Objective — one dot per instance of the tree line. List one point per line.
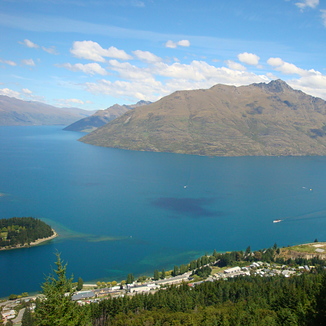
(17, 231)
(244, 300)
(240, 301)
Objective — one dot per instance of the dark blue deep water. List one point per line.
(120, 212)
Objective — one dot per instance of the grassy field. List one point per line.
(309, 247)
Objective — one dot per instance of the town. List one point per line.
(12, 309)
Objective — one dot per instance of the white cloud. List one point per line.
(89, 68)
(28, 94)
(146, 56)
(93, 51)
(128, 71)
(235, 65)
(145, 83)
(323, 16)
(249, 58)
(194, 71)
(185, 43)
(201, 71)
(275, 62)
(28, 62)
(312, 84)
(173, 45)
(51, 50)
(170, 44)
(70, 101)
(307, 3)
(8, 62)
(9, 92)
(288, 68)
(26, 91)
(310, 81)
(29, 44)
(127, 90)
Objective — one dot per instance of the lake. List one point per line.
(120, 212)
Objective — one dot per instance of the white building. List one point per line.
(233, 270)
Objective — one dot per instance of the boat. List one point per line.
(277, 221)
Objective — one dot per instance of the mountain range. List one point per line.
(101, 117)
(16, 112)
(258, 119)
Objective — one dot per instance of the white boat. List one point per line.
(277, 221)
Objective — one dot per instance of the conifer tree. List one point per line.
(156, 275)
(80, 284)
(130, 278)
(28, 319)
(57, 308)
(163, 274)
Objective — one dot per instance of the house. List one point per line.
(82, 295)
(7, 315)
(144, 288)
(233, 270)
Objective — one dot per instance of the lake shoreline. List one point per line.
(33, 244)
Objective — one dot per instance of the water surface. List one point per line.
(121, 211)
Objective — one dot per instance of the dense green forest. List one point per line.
(239, 301)
(244, 300)
(20, 231)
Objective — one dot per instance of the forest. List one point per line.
(244, 300)
(239, 301)
(21, 231)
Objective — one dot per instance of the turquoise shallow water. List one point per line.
(122, 211)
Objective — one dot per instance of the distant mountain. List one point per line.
(102, 117)
(15, 112)
(259, 119)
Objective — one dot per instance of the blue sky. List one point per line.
(93, 54)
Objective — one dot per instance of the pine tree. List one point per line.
(28, 319)
(80, 284)
(175, 271)
(57, 308)
(130, 278)
(163, 274)
(156, 275)
(248, 250)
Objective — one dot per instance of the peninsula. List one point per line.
(21, 232)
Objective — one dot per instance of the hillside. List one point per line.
(305, 251)
(102, 117)
(259, 119)
(15, 112)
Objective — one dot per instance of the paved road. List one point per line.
(19, 317)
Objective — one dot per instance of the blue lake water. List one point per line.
(120, 212)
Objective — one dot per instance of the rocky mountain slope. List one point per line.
(259, 119)
(102, 117)
(15, 112)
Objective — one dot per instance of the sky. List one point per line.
(92, 54)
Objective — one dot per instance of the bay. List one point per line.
(120, 212)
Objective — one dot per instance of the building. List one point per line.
(233, 270)
(83, 295)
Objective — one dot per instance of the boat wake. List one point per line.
(308, 216)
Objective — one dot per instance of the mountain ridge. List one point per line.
(16, 112)
(254, 120)
(101, 117)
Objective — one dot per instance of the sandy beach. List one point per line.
(37, 242)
